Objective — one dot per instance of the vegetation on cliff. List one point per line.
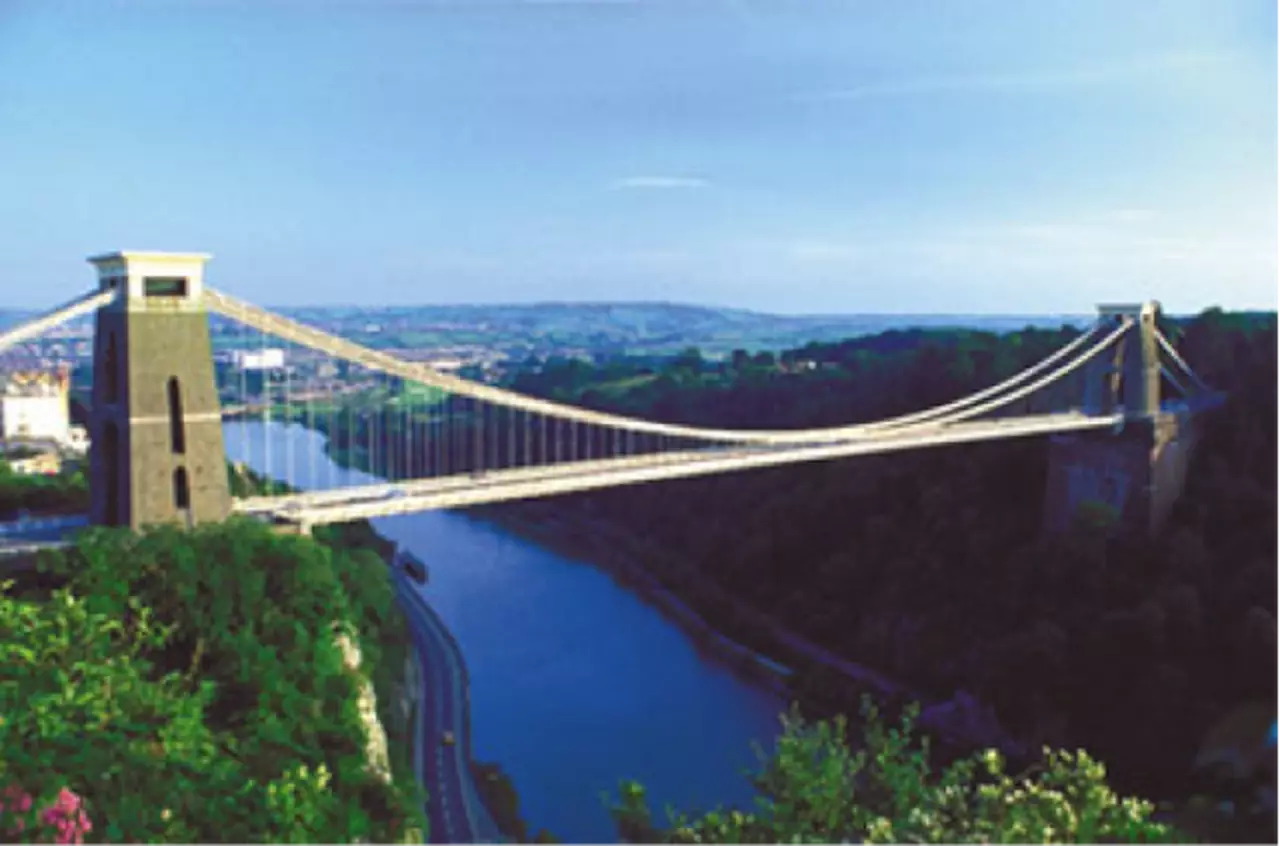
(191, 687)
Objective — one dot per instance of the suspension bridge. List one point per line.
(172, 363)
(165, 378)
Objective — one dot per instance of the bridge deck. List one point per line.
(386, 499)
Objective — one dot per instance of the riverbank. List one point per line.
(744, 638)
(729, 631)
(494, 789)
(596, 544)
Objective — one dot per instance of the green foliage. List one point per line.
(816, 789)
(190, 687)
(931, 567)
(67, 492)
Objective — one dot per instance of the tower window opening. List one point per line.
(177, 432)
(181, 490)
(165, 286)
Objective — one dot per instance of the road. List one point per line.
(28, 536)
(454, 809)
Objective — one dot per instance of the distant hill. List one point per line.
(634, 327)
(653, 328)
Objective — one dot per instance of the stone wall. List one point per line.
(1138, 471)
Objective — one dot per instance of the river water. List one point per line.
(575, 682)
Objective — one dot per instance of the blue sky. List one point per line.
(782, 155)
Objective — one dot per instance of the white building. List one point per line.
(271, 358)
(78, 440)
(34, 406)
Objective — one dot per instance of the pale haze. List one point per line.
(796, 157)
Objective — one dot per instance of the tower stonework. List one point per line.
(156, 454)
(1139, 471)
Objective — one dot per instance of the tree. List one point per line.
(816, 789)
(190, 687)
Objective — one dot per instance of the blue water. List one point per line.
(575, 683)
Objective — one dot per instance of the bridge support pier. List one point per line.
(1136, 476)
(1138, 473)
(156, 454)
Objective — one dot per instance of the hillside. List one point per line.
(206, 686)
(931, 565)
(622, 328)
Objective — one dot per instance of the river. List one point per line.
(575, 682)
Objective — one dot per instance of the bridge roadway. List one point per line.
(454, 809)
(461, 490)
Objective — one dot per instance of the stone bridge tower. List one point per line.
(156, 454)
(1138, 471)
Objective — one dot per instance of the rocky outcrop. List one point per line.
(377, 760)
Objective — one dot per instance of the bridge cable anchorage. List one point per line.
(375, 360)
(1178, 360)
(56, 316)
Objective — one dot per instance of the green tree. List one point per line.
(190, 686)
(816, 789)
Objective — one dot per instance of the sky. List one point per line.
(793, 156)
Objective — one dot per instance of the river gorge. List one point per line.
(576, 682)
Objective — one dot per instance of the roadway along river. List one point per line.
(575, 682)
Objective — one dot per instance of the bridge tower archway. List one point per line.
(156, 416)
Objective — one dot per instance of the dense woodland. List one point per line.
(932, 566)
(929, 565)
(189, 687)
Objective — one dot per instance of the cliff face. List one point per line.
(378, 763)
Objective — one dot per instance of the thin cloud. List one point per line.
(1018, 81)
(632, 183)
(825, 252)
(1131, 215)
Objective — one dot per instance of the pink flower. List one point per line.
(67, 816)
(18, 803)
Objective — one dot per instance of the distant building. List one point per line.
(34, 406)
(78, 439)
(271, 358)
(41, 464)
